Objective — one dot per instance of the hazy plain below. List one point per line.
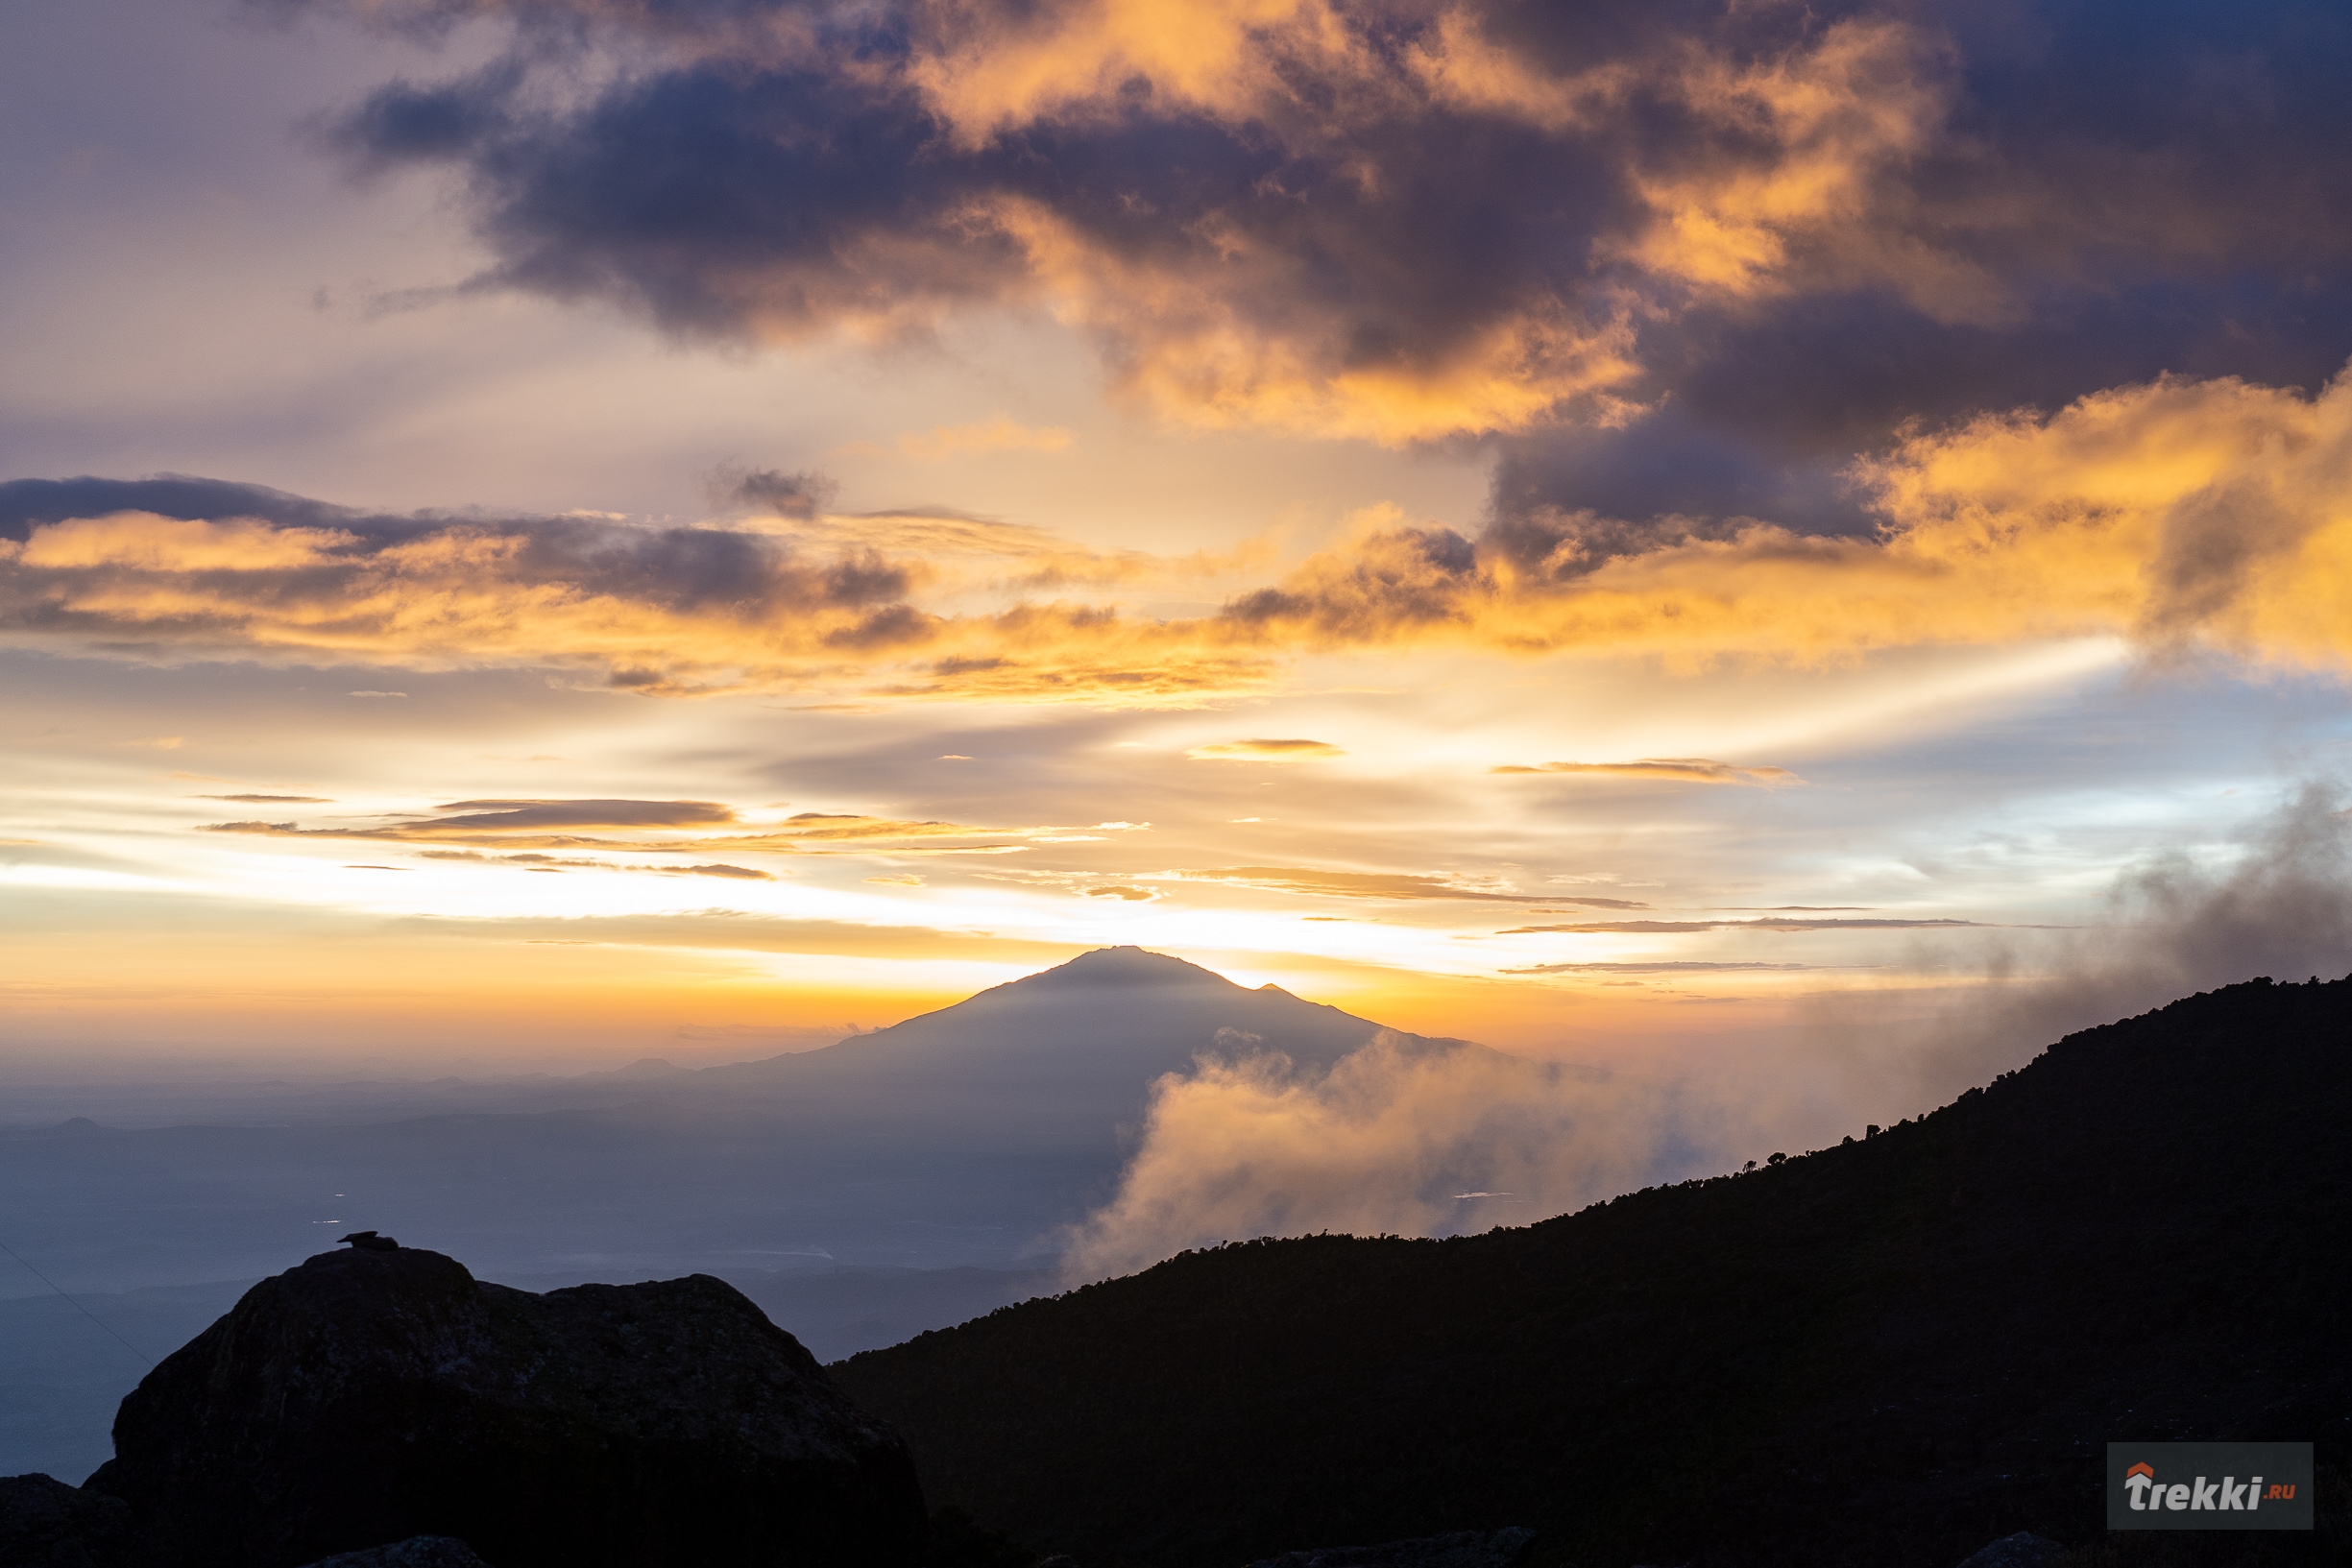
(903, 1179)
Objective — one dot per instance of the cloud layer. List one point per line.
(673, 828)
(2191, 518)
(1406, 218)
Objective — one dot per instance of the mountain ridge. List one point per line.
(1884, 1352)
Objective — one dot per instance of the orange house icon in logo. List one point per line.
(2148, 1470)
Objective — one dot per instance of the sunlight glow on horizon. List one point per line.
(1443, 503)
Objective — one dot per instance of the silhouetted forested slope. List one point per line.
(1889, 1352)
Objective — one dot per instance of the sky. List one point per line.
(538, 533)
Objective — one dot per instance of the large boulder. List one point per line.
(368, 1397)
(46, 1523)
(417, 1552)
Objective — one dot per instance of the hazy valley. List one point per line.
(905, 1179)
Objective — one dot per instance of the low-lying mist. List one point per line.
(1403, 1136)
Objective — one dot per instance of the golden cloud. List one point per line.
(272, 800)
(2181, 514)
(146, 542)
(1680, 769)
(544, 825)
(549, 862)
(989, 71)
(1264, 751)
(1190, 345)
(1370, 885)
(1779, 183)
(2186, 516)
(632, 607)
(1394, 220)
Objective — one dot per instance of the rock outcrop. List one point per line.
(417, 1552)
(2023, 1550)
(368, 1397)
(1458, 1549)
(46, 1523)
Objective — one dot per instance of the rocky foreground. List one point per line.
(369, 1398)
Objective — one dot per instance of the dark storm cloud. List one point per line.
(25, 504)
(1684, 260)
(2153, 189)
(403, 122)
(798, 495)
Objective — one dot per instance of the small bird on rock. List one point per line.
(369, 1240)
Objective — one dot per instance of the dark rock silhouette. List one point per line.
(45, 1522)
(1457, 1549)
(367, 1397)
(2023, 1550)
(417, 1552)
(367, 1240)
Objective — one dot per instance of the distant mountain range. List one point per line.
(1884, 1354)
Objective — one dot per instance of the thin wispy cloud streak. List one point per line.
(1680, 769)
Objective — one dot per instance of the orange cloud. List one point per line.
(989, 71)
(1264, 751)
(1782, 182)
(547, 825)
(549, 862)
(1392, 220)
(146, 542)
(272, 800)
(1680, 769)
(1372, 885)
(2183, 515)
(1249, 342)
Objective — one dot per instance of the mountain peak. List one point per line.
(1124, 966)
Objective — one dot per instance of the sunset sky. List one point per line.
(546, 532)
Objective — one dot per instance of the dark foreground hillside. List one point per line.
(1887, 1353)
